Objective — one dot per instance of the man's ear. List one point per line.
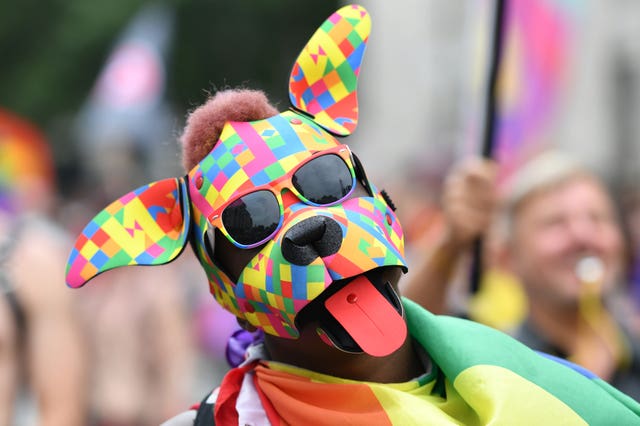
(148, 226)
(324, 78)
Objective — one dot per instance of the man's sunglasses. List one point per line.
(252, 218)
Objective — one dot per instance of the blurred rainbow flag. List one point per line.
(26, 164)
(538, 40)
(127, 104)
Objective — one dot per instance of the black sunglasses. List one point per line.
(252, 218)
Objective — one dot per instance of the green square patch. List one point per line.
(347, 76)
(225, 159)
(274, 171)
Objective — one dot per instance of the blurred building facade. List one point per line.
(421, 97)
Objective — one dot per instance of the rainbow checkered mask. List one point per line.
(152, 225)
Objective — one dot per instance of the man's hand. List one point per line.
(469, 200)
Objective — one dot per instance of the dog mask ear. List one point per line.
(148, 226)
(324, 78)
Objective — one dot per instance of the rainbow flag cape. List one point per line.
(480, 376)
(506, 382)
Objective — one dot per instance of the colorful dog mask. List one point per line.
(282, 185)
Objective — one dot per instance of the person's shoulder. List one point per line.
(200, 414)
(186, 418)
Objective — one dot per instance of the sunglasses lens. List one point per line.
(252, 218)
(324, 180)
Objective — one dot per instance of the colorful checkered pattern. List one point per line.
(324, 78)
(271, 291)
(147, 226)
(220, 285)
(251, 154)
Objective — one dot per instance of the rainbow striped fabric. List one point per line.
(480, 377)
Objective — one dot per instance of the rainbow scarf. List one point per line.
(480, 376)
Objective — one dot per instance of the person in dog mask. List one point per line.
(296, 242)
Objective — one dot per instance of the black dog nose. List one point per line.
(317, 236)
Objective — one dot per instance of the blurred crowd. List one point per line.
(132, 350)
(559, 252)
(559, 261)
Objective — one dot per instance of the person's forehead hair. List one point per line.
(542, 174)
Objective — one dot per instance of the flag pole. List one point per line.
(491, 107)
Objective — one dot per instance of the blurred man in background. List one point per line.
(560, 235)
(42, 353)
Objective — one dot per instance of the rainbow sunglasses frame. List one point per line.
(152, 224)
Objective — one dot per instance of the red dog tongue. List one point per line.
(368, 317)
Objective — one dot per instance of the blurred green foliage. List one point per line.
(251, 42)
(51, 51)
